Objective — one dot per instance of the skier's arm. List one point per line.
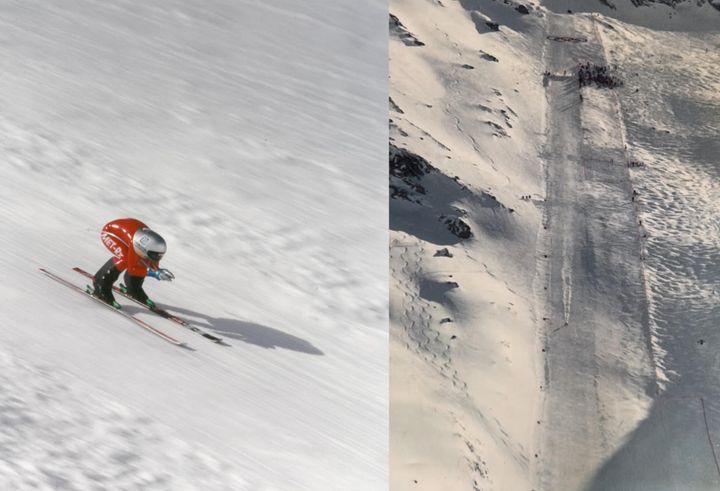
(161, 274)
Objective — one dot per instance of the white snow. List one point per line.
(467, 385)
(670, 114)
(251, 135)
(581, 353)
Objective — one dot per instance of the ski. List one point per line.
(137, 321)
(161, 312)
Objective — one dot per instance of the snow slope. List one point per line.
(646, 252)
(463, 341)
(251, 136)
(670, 111)
(566, 344)
(659, 15)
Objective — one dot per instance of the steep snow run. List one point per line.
(599, 362)
(552, 309)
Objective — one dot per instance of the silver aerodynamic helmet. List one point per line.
(149, 244)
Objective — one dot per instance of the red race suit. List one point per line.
(117, 236)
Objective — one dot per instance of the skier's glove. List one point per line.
(161, 274)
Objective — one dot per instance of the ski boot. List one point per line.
(108, 299)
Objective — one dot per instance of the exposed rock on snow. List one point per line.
(398, 30)
(405, 164)
(488, 57)
(457, 227)
(499, 130)
(483, 23)
(444, 252)
(394, 106)
(407, 167)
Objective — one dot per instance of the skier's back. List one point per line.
(137, 250)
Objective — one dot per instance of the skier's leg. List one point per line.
(135, 288)
(104, 279)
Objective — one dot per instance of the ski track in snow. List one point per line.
(598, 361)
(419, 324)
(635, 429)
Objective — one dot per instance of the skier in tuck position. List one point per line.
(138, 250)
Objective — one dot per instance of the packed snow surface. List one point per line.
(251, 135)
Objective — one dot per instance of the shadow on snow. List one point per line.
(248, 332)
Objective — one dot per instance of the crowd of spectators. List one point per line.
(601, 75)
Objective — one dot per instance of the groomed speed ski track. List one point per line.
(606, 422)
(594, 284)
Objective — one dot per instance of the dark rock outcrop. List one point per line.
(444, 252)
(398, 30)
(457, 227)
(407, 167)
(405, 164)
(488, 57)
